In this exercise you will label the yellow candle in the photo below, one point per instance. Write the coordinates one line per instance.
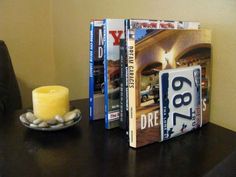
(49, 101)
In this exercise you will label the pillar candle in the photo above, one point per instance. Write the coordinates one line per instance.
(49, 101)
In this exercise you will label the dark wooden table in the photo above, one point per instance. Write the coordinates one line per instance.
(87, 149)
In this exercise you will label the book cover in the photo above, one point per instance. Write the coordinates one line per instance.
(149, 52)
(96, 73)
(113, 32)
(142, 24)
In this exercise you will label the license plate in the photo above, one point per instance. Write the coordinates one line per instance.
(180, 101)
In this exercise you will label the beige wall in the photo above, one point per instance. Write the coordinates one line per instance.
(26, 27)
(71, 39)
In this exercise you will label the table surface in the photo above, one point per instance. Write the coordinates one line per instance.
(88, 149)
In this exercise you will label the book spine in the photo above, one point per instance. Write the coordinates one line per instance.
(131, 87)
(190, 25)
(162, 24)
(91, 78)
(106, 106)
(114, 31)
(126, 115)
(124, 118)
(122, 83)
(126, 104)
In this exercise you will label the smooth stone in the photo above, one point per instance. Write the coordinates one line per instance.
(57, 126)
(43, 125)
(59, 118)
(37, 121)
(33, 125)
(78, 112)
(23, 119)
(52, 121)
(30, 116)
(69, 122)
(70, 116)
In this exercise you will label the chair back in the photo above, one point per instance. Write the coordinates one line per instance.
(10, 98)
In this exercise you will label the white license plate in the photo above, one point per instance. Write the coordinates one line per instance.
(180, 101)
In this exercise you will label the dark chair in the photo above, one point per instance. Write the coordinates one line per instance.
(10, 98)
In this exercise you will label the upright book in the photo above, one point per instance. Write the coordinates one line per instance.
(149, 52)
(113, 32)
(149, 25)
(96, 72)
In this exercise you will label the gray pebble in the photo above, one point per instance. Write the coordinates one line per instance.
(33, 125)
(69, 116)
(37, 121)
(78, 112)
(52, 122)
(23, 119)
(69, 122)
(57, 126)
(59, 118)
(30, 116)
(43, 124)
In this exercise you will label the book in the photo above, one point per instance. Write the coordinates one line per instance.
(113, 33)
(96, 72)
(123, 86)
(149, 52)
(142, 24)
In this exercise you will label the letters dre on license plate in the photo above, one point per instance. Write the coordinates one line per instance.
(180, 101)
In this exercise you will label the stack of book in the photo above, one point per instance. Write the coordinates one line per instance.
(149, 77)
